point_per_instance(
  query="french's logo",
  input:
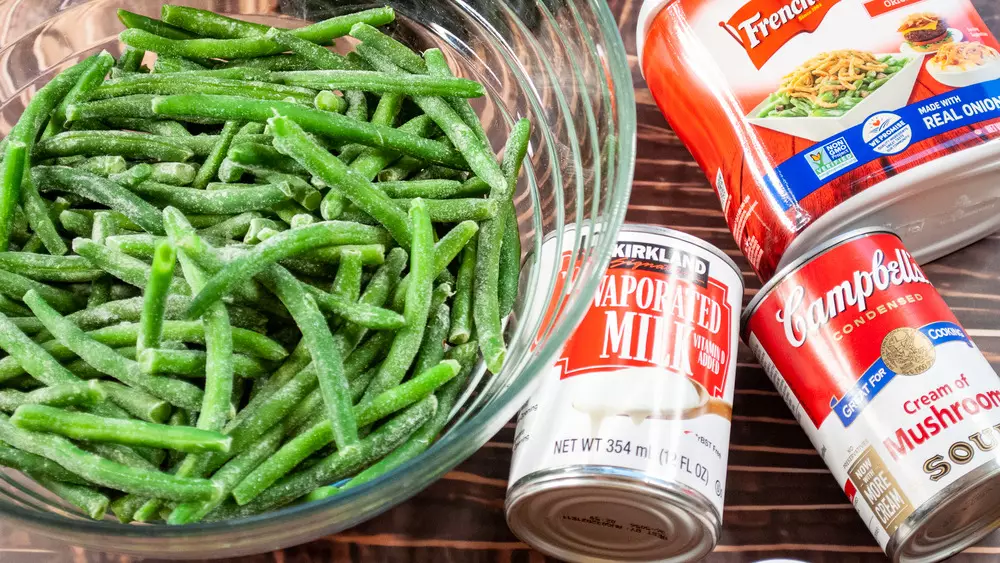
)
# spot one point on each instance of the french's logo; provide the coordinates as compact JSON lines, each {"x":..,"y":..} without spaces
{"x":762,"y":27}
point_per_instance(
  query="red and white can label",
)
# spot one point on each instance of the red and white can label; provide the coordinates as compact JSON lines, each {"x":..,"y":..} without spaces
{"x":889,"y":387}
{"x":646,"y":380}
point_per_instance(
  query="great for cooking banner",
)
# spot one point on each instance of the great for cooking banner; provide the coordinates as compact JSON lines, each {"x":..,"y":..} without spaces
{"x":794,"y":106}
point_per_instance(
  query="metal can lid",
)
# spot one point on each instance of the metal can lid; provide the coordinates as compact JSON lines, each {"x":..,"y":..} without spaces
{"x":955,"y":518}
{"x":610,"y":514}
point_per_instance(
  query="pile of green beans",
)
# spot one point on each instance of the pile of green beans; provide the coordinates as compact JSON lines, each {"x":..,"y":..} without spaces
{"x":257,"y":273}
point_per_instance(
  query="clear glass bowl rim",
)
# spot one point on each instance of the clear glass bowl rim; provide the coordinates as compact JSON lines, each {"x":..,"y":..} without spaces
{"x":453,"y":447}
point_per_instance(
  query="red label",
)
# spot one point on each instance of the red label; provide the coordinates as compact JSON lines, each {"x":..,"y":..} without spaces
{"x":554,"y":309}
{"x":764,"y":26}
{"x":664,"y":310}
{"x":824,"y":325}
{"x":850,"y":490}
{"x":879,"y":7}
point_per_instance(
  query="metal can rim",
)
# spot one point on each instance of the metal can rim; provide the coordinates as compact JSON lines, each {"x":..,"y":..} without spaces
{"x":984,"y":473}
{"x":668,"y":232}
{"x":671,"y":493}
{"x":797,"y":264}
{"x":680,"y":235}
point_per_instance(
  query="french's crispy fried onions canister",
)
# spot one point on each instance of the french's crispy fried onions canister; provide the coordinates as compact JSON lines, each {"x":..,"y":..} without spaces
{"x":814,"y":118}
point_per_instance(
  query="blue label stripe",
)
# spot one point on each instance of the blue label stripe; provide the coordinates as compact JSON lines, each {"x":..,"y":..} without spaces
{"x":836,"y":156}
{"x":878,"y":376}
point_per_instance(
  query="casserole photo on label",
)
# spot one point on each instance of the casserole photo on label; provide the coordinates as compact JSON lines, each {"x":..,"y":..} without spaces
{"x":837,"y":90}
{"x":926,"y":32}
{"x":964,"y":64}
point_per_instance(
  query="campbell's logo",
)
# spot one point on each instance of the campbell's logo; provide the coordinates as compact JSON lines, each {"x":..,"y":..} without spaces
{"x":664,"y":259}
{"x":800,"y":318}
{"x":762,"y":27}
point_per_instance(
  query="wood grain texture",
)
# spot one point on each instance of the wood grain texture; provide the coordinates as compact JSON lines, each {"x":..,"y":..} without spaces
{"x":781,"y":501}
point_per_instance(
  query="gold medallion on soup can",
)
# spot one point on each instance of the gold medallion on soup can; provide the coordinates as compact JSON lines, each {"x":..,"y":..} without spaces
{"x":907,"y":351}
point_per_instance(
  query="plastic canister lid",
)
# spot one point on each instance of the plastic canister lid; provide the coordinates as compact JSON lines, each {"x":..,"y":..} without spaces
{"x":648,"y":11}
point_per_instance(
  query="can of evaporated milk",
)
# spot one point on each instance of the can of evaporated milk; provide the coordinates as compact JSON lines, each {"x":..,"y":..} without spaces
{"x":901,"y":405}
{"x":621,"y":453}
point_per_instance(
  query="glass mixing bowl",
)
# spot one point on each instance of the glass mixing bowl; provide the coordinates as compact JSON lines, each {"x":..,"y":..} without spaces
{"x":560,"y":63}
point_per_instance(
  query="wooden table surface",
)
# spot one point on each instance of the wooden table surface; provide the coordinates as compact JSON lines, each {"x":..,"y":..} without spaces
{"x":781,"y":501}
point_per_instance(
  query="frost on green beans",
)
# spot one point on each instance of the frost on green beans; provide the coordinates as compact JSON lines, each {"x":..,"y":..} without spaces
{"x":320,"y":298}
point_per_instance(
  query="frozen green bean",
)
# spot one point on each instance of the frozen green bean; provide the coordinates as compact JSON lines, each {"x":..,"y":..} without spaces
{"x":173,"y":173}
{"x":140,"y":146}
{"x":103,"y":165}
{"x":49,"y":268}
{"x":317,"y":55}
{"x":137,"y":106}
{"x":180,"y":83}
{"x":486,"y":311}
{"x":93,"y":503}
{"x":133,"y":176}
{"x":84,"y":426}
{"x":343,"y":463}
{"x":210,"y":167}
{"x":191,"y":364}
{"x":36,"y":465}
{"x":136,"y":21}
{"x":210,"y":24}
{"x":102,"y":191}
{"x":130,"y":270}
{"x":226,"y":202}
{"x":311,"y":440}
{"x":161,"y":276}
{"x":16,"y":285}
{"x":445,"y":250}
{"x":103,"y":358}
{"x":461,"y":305}
{"x":327,"y":124}
{"x":510,"y":262}
{"x":164,"y":127}
{"x":407,"y":340}
{"x":284,"y":245}
{"x":104,"y":472}
{"x":438,"y":66}
{"x":136,"y":402}
{"x":399,"y":54}
{"x":290,"y":139}
{"x":199,"y":48}
{"x":62,"y":395}
{"x":380,"y":82}
{"x":89,"y":80}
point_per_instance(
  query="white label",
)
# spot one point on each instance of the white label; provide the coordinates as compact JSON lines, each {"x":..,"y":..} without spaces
{"x":656,"y":395}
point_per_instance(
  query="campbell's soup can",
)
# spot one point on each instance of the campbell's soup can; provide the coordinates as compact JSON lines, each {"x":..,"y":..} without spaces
{"x":895,"y":396}
{"x":621,"y":453}
{"x":813,"y":118}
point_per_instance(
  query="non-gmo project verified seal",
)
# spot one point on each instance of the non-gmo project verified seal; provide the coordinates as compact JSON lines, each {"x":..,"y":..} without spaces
{"x":830,"y":158}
